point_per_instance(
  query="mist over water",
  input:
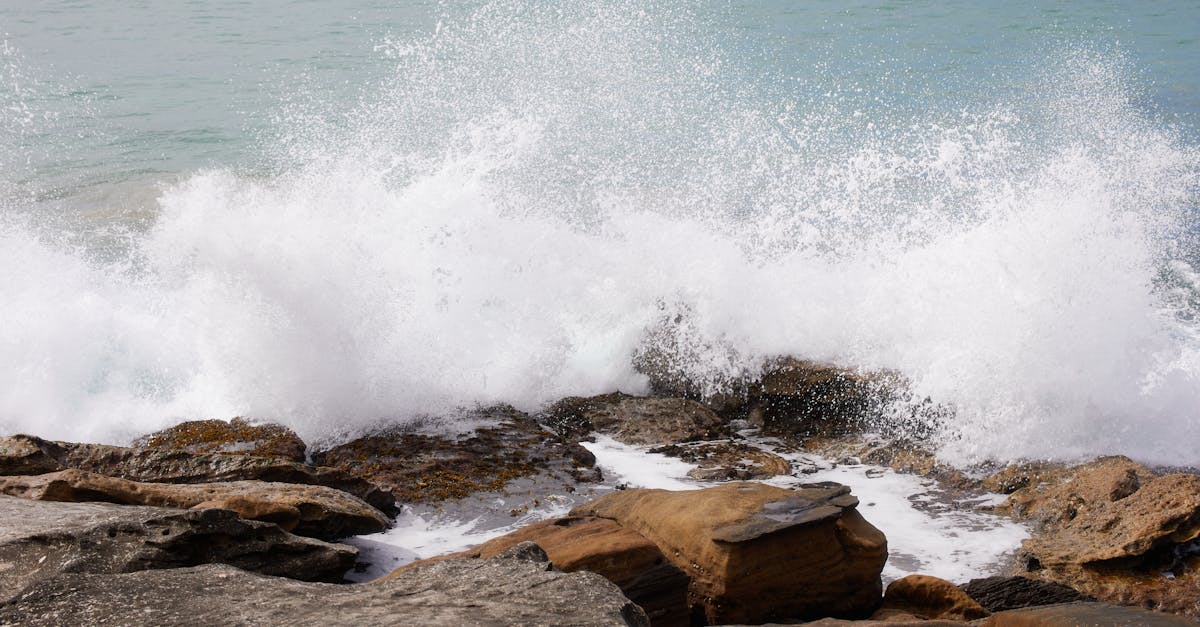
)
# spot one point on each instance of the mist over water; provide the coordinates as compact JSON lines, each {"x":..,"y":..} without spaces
{"x":510,"y":211}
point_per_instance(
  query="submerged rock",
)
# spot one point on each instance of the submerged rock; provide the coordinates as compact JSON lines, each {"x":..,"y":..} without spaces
{"x":452,"y":592}
{"x":178,"y":466}
{"x":635,"y":419}
{"x":39,"y":540}
{"x":304,"y":509}
{"x":756,"y":552}
{"x":620,"y":555}
{"x":237,"y":437}
{"x":726,"y":460}
{"x":423,"y":468}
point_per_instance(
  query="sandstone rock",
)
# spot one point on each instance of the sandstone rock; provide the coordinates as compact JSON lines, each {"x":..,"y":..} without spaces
{"x":721,"y":461}
{"x":1081,"y":615}
{"x":21,"y":455}
{"x":756,"y":552}
{"x":1057,"y":498}
{"x":177,"y":466}
{"x":997,"y":594}
{"x":891,"y":620}
{"x":238,"y":436}
{"x":1028,"y":476}
{"x":599,"y":545}
{"x":806,"y":398}
{"x":304,"y":509}
{"x":1137,"y":549}
{"x":635,"y":419}
{"x":495,"y":592}
{"x":421,"y":468}
{"x":928,"y":597}
{"x":900,"y":454}
{"x":39,"y":540}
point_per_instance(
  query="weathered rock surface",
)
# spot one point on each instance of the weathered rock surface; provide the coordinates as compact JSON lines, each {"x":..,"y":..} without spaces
{"x":1054,"y":497}
{"x":998,"y":594}
{"x":1122,"y":540}
{"x":726,"y":460}
{"x":621,"y":555}
{"x":926,"y":597}
{"x":39,"y":540}
{"x":454,"y":592}
{"x":308,"y":510}
{"x":806,"y":398}
{"x":178,"y":466}
{"x":756,"y":552}
{"x":635,"y":419}
{"x":422,"y":468}
{"x":1082,"y":615}
{"x":238,"y":436}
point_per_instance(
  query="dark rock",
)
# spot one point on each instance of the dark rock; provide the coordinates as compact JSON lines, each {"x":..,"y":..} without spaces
{"x":803,"y":398}
{"x":39,"y":540}
{"x":599,"y":545}
{"x":454,"y":592}
{"x":723,"y":461}
{"x":308,"y":510}
{"x":756,"y":552}
{"x":178,"y":466}
{"x":237,"y":437}
{"x":1082,"y":615}
{"x":635,"y":419}
{"x":998,"y":594}
{"x":421,"y":468}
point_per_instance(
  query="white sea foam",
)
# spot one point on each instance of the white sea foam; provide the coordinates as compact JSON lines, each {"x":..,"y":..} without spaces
{"x":534,"y":188}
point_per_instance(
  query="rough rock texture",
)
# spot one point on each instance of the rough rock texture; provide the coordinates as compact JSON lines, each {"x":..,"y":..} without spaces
{"x":1125,"y":542}
{"x":178,"y":466}
{"x":757,"y":552}
{"x":1057,"y":497}
{"x":304,"y":509}
{"x":1082,"y":615}
{"x":897,"y":620}
{"x":421,"y":468}
{"x":498,"y":592}
{"x":238,"y":436}
{"x":997,"y":594}
{"x":722,"y":461}
{"x":899,"y":454}
{"x":805,"y":398}
{"x":623,"y":556}
{"x":926,"y":597}
{"x":635,"y":419}
{"x":39,"y":540}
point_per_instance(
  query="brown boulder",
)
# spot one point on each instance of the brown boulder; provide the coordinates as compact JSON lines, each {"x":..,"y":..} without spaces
{"x":928,"y":597}
{"x":237,"y":437}
{"x":1081,"y":615}
{"x":722,"y":461}
{"x":806,"y":398}
{"x":422,"y":468}
{"x":1055,"y":497}
{"x":177,"y":466}
{"x":307,"y":510}
{"x":756,"y":552}
{"x":635,"y":419}
{"x":1136,"y":550}
{"x":599,"y":545}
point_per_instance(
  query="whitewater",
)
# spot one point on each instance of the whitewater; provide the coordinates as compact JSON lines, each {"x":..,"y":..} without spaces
{"x":532,"y":195}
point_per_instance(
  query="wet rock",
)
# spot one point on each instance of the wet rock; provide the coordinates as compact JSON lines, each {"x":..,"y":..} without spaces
{"x":620,"y":555}
{"x":926,"y":597}
{"x":900,"y":454}
{"x":891,"y":620}
{"x":756,"y":552}
{"x":453,"y":592}
{"x":1081,"y":615}
{"x":238,"y":436}
{"x":1134,"y":547}
{"x":635,"y":419}
{"x":722,"y":461}
{"x":803,"y":398}
{"x":1057,"y":497}
{"x":39,"y":540}
{"x":178,"y":466}
{"x":21,"y":455}
{"x":423,"y":468}
{"x":998,"y":594}
{"x":1028,"y":476}
{"x":306,"y":510}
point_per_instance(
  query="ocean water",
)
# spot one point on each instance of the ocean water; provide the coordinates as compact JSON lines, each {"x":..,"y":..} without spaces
{"x":337,"y":214}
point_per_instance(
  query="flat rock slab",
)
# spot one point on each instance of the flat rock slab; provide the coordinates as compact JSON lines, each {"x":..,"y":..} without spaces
{"x":756,"y":552}
{"x":453,"y":592}
{"x":40,"y":540}
{"x":1082,"y":615}
{"x":307,"y":510}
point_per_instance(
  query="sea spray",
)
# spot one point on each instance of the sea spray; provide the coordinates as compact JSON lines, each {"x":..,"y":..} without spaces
{"x":535,"y":188}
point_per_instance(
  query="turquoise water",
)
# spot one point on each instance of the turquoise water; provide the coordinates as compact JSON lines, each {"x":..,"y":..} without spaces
{"x":340,"y":213}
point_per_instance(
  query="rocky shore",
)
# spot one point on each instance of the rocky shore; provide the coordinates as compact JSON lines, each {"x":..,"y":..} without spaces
{"x":215,"y":522}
